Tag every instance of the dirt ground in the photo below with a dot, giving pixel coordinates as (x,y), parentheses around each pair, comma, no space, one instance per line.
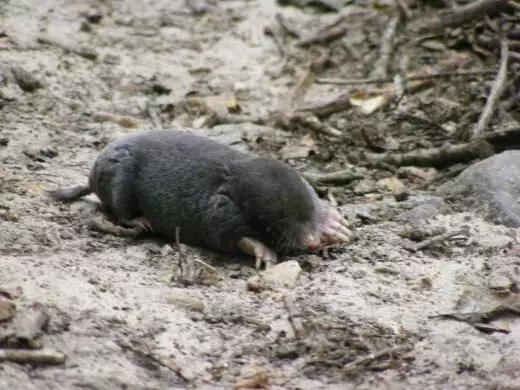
(110,299)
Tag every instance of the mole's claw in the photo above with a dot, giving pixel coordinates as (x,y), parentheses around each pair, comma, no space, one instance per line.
(261,252)
(335,228)
(332,238)
(338,227)
(140,223)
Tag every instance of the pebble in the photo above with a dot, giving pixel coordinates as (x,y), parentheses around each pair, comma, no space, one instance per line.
(284,274)
(500,284)
(26,80)
(185,301)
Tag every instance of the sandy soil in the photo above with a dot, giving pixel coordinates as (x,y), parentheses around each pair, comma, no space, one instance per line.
(110,299)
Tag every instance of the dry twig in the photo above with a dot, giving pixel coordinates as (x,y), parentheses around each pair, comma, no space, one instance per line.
(168,364)
(335,178)
(387,45)
(336,104)
(85,52)
(433,240)
(357,364)
(313,123)
(436,157)
(26,356)
(294,316)
(326,34)
(416,77)
(151,110)
(285,26)
(404,8)
(455,17)
(496,92)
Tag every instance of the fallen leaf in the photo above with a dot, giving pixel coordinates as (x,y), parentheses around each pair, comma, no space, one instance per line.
(259,380)
(232,105)
(7,310)
(301,149)
(185,301)
(368,103)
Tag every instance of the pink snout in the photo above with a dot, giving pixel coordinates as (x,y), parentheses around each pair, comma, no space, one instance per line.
(311,242)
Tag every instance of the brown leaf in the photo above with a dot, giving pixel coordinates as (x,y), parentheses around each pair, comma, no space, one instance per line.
(7,310)
(301,149)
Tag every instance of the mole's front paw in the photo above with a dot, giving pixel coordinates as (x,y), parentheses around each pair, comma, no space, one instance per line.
(255,248)
(335,228)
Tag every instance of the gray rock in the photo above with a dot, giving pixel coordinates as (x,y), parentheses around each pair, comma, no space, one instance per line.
(423,208)
(284,274)
(492,186)
(419,214)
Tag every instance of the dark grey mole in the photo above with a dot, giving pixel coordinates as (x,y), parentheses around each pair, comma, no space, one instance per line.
(215,195)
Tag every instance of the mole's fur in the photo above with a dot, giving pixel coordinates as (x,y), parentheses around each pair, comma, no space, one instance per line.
(214,194)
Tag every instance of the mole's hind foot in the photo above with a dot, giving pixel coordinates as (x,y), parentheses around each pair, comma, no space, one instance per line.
(140,223)
(102,225)
(335,228)
(255,248)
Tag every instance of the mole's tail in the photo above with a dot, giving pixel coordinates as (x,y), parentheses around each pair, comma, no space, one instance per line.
(69,194)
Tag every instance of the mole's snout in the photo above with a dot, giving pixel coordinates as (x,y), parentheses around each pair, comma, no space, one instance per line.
(311,242)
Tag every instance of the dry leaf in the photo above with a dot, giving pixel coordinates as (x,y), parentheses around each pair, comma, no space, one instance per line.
(368,103)
(259,380)
(7,310)
(301,149)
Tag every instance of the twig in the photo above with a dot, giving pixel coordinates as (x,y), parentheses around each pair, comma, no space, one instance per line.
(381,67)
(269,31)
(436,239)
(337,178)
(140,352)
(366,360)
(181,259)
(301,88)
(204,264)
(285,26)
(224,118)
(154,116)
(324,36)
(179,248)
(27,356)
(85,52)
(436,157)
(387,80)
(294,316)
(484,146)
(313,123)
(404,8)
(336,104)
(496,91)
(460,15)
(123,121)
(448,174)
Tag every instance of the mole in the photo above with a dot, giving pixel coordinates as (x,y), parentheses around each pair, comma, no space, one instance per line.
(216,196)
